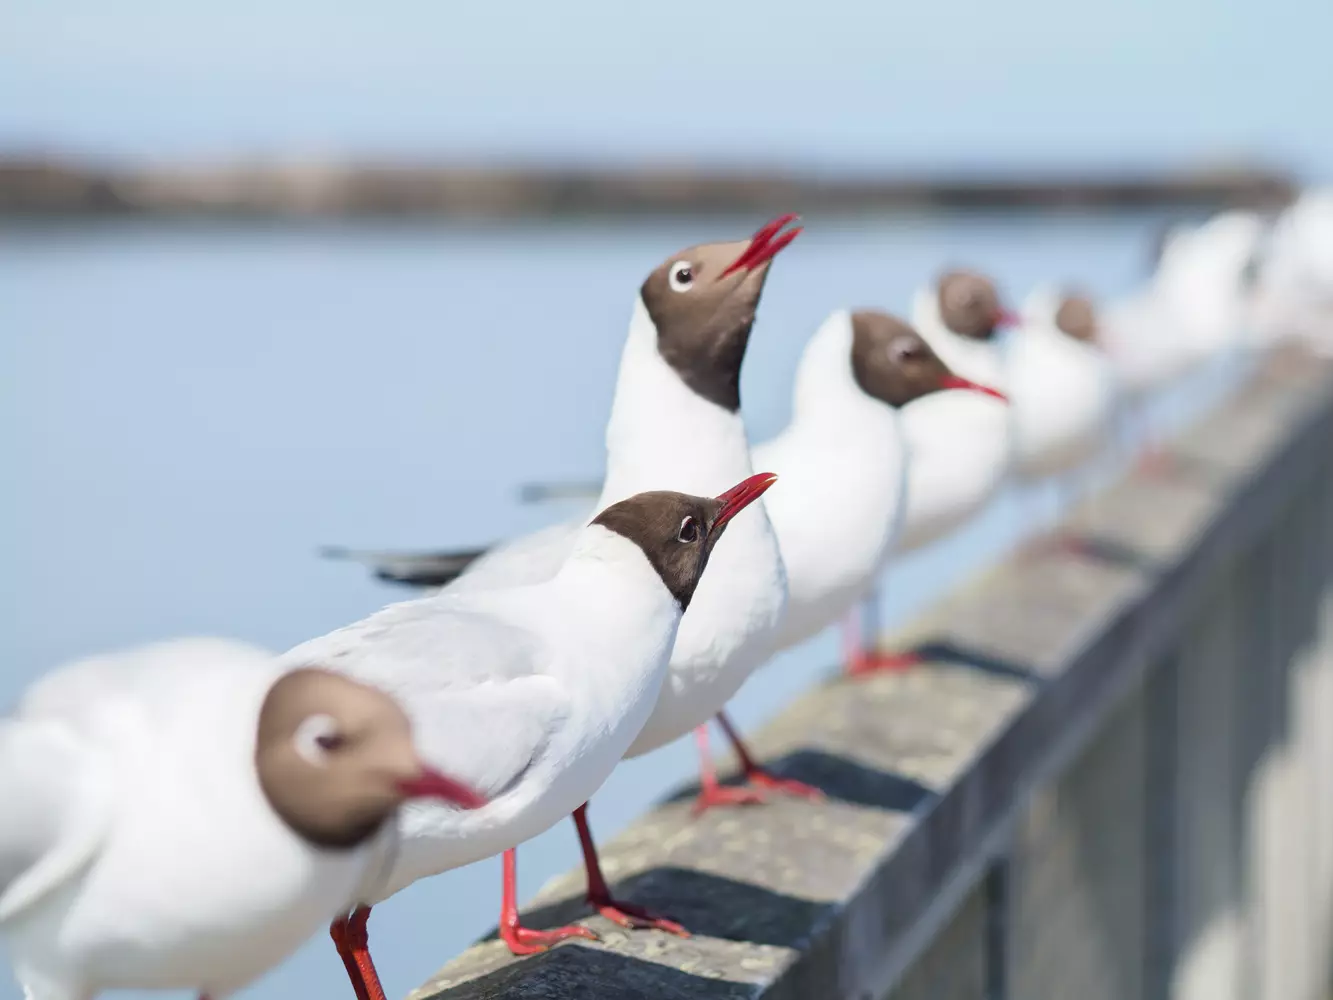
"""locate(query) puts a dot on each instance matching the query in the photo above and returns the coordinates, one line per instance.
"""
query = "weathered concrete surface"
(933, 774)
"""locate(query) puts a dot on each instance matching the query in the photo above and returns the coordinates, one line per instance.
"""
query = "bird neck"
(826, 397)
(610, 597)
(661, 433)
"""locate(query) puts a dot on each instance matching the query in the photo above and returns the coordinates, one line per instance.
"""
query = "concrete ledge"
(926, 771)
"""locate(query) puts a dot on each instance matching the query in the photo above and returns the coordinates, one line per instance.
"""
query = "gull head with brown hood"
(677, 532)
(960, 316)
(969, 304)
(894, 364)
(702, 302)
(335, 759)
(1076, 317)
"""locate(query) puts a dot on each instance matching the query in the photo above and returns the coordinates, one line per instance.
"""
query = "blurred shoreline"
(51, 188)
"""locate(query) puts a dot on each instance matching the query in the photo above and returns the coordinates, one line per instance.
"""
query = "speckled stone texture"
(994, 820)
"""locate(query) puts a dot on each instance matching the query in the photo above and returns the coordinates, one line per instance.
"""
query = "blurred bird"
(185, 815)
(961, 317)
(1293, 300)
(1061, 388)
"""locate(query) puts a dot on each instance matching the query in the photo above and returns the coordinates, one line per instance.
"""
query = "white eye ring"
(688, 531)
(309, 735)
(680, 276)
(902, 348)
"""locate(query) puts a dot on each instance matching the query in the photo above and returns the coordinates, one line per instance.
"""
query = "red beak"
(958, 382)
(764, 246)
(1007, 317)
(431, 784)
(740, 496)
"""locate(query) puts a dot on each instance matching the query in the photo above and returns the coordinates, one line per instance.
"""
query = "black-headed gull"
(185, 815)
(961, 316)
(538, 689)
(676, 422)
(864, 382)
(1062, 387)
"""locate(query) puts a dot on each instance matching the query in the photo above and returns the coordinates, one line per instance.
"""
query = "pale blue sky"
(840, 83)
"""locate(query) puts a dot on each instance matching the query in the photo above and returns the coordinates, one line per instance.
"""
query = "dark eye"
(689, 530)
(331, 741)
(904, 350)
(681, 275)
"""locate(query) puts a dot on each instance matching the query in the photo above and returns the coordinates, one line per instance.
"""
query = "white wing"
(481, 706)
(57, 808)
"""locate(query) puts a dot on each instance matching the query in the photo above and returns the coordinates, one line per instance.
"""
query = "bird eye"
(681, 276)
(904, 349)
(317, 737)
(689, 530)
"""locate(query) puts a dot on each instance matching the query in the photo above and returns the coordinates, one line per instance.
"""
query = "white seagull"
(675, 422)
(865, 382)
(961, 315)
(1294, 298)
(1061, 386)
(535, 692)
(185, 815)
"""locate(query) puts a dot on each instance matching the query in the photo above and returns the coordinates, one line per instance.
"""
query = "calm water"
(196, 410)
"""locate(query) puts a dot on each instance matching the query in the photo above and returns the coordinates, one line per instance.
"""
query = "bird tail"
(411, 569)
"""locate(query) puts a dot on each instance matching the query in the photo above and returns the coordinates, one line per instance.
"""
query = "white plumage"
(138, 849)
(531, 694)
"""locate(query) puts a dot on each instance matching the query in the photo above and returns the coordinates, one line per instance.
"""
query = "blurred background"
(204, 387)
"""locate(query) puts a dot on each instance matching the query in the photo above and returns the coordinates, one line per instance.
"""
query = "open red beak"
(1007, 317)
(765, 244)
(431, 784)
(958, 382)
(740, 496)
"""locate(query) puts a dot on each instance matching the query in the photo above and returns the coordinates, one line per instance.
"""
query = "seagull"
(1061, 386)
(534, 692)
(960, 316)
(1294, 297)
(865, 377)
(676, 422)
(1192, 313)
(867, 385)
(184, 815)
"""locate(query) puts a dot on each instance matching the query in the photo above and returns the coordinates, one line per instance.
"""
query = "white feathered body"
(530, 694)
(1061, 394)
(664, 436)
(138, 849)
(842, 468)
(958, 443)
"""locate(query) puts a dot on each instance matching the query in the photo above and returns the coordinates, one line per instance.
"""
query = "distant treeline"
(41, 188)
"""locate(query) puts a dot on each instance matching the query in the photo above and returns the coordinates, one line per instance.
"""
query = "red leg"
(522, 940)
(756, 775)
(873, 661)
(711, 793)
(857, 659)
(599, 894)
(353, 944)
